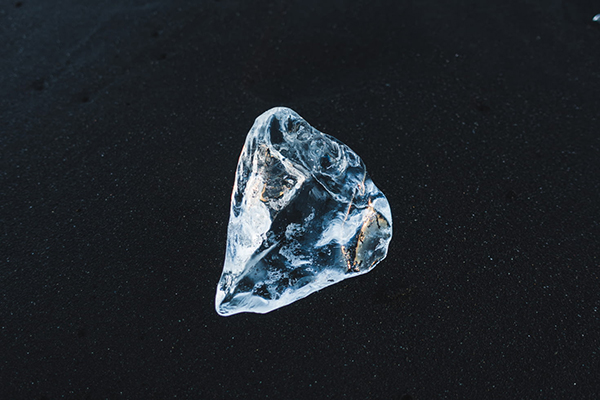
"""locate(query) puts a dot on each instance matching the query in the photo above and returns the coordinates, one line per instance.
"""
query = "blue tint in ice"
(304, 215)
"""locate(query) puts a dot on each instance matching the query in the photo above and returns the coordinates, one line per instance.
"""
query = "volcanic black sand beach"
(121, 123)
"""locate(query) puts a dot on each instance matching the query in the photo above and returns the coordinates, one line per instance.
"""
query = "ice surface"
(304, 215)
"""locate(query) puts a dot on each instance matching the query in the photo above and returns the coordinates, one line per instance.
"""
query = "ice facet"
(304, 215)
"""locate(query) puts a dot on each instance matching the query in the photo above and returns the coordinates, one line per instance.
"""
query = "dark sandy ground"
(120, 129)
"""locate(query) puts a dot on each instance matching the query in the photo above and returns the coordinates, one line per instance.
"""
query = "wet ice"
(304, 215)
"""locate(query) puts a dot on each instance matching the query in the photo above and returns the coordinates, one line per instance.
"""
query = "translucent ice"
(304, 215)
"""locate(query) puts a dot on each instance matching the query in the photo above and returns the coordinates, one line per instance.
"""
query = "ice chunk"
(304, 215)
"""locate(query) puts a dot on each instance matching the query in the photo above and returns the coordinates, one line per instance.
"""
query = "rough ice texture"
(304, 215)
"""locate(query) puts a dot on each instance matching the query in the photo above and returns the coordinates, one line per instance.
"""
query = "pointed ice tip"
(223, 312)
(242, 302)
(304, 215)
(277, 112)
(218, 303)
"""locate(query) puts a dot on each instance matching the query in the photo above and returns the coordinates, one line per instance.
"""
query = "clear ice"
(304, 215)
